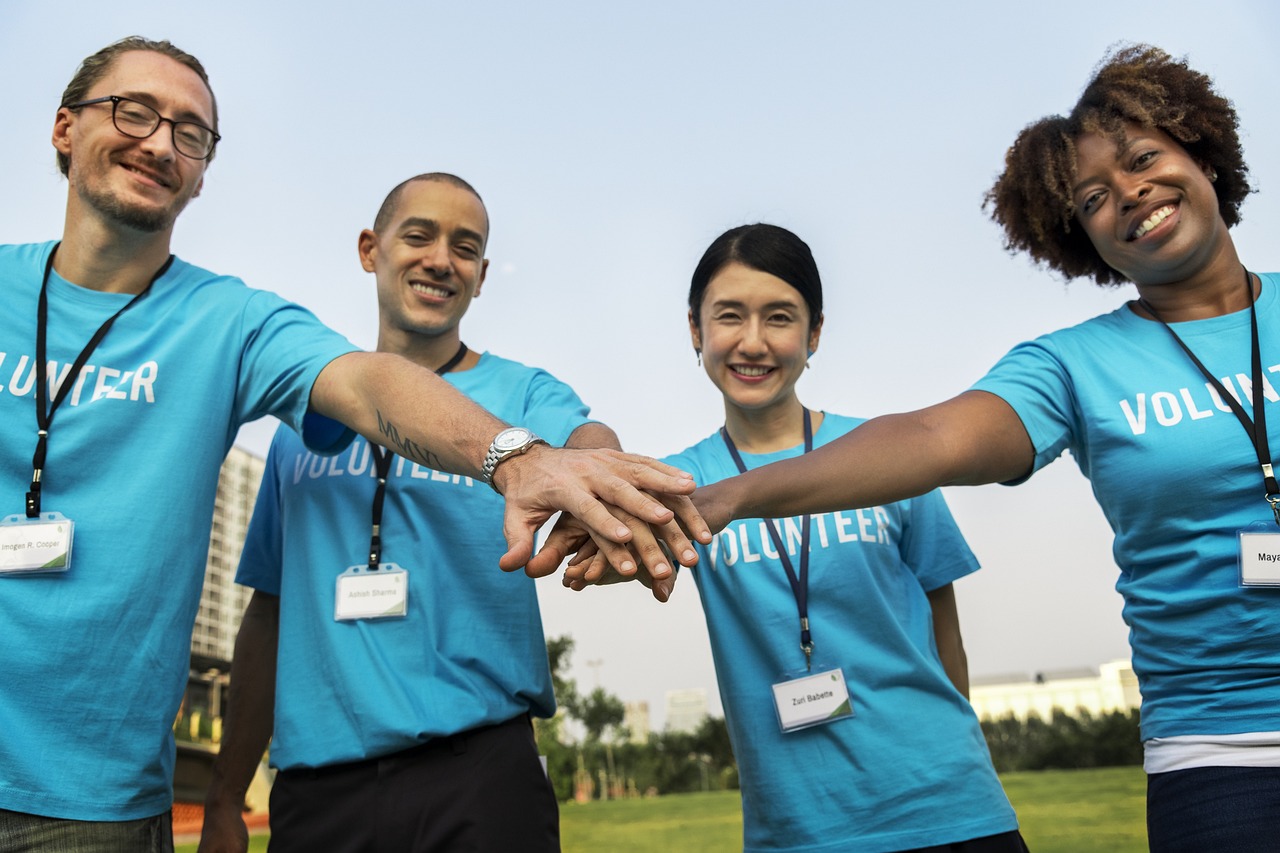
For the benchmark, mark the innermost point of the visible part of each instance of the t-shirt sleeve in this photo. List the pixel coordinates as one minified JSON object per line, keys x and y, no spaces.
{"x":285,"y":348}
{"x":260,"y":560}
{"x":1035,"y":383}
{"x":553,"y":409}
{"x":932,"y":545}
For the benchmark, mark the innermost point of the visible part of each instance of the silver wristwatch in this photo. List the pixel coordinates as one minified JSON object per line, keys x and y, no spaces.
{"x":512,"y":441}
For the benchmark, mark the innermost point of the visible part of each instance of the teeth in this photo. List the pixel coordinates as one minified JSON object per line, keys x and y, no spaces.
{"x":430,"y":290}
{"x":1153,"y":220}
{"x":752,"y":371}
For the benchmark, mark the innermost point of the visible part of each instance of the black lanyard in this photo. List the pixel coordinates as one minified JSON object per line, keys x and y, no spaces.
{"x":1257,"y":428}
{"x":45,"y":410}
{"x":383,"y":464}
{"x":800,"y":583}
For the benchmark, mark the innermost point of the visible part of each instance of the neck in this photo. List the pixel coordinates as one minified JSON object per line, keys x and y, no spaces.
{"x":429,"y":351}
{"x":1214,"y":290}
{"x":113,"y":259}
{"x":768,"y":430}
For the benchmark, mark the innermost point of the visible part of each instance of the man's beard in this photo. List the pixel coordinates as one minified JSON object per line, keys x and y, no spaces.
{"x":147,"y":220}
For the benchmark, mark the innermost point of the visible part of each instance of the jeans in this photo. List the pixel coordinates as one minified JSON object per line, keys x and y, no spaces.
{"x":1214,"y":810}
{"x":28,"y":833}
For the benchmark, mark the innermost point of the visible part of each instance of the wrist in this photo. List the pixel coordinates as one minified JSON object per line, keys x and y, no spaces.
{"x":507,"y":470}
{"x":507,"y":444}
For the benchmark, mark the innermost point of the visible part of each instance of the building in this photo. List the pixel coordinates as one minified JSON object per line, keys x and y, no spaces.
{"x":222,"y":602}
{"x":199,"y":725}
{"x":1114,"y":687}
{"x":686,"y":709}
{"x":635,"y":718}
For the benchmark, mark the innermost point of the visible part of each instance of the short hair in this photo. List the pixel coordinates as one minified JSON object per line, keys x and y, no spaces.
{"x":382,"y":221}
{"x":768,"y":248}
{"x":95,"y":67}
{"x":1032,"y":200}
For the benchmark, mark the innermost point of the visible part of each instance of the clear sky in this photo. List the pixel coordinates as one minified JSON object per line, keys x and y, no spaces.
{"x":612,"y":143}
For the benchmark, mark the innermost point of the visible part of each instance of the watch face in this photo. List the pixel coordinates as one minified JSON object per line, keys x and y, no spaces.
{"x":510,"y":439}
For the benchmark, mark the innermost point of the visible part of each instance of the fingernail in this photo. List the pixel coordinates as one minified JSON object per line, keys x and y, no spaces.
{"x":690,"y":557}
{"x":622,"y":532}
{"x":627,"y":567}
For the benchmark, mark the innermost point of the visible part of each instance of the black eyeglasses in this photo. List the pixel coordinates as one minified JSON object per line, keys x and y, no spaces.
{"x":140,"y":121}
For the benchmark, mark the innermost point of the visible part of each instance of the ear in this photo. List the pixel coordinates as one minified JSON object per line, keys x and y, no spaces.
{"x":62,"y":131}
{"x":199,"y":187}
{"x":815,"y":335}
{"x":694,"y":333}
{"x":367,"y":247}
{"x":484,"y":271}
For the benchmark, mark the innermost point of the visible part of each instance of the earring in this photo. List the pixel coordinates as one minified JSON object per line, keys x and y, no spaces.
{"x":698,"y":352}
{"x":1212,"y":175}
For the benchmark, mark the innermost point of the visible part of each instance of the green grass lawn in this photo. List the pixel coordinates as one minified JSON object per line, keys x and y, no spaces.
{"x":1061,"y":811}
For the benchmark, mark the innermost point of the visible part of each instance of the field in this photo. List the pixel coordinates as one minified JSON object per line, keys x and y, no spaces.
{"x":1061,"y":811}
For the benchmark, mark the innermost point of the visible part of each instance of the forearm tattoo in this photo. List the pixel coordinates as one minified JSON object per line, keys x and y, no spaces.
{"x":405,"y":446}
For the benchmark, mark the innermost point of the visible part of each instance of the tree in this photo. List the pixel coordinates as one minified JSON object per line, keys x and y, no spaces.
{"x":598,"y":713}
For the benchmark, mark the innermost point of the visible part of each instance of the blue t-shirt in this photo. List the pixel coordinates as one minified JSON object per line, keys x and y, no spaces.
{"x":93,"y":661}
{"x":1177,"y":477}
{"x":469,"y":653}
{"x":911,"y":769}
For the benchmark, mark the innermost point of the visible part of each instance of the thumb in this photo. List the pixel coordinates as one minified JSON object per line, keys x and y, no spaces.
{"x":519,"y":533}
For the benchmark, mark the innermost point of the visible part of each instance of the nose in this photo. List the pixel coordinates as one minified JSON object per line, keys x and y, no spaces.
{"x":160,"y":143}
{"x":1131,"y":192}
{"x":752,"y":341}
{"x":435,"y":258}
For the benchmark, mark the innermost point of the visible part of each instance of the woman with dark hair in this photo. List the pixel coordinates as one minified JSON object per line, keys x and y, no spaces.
{"x":1167,"y":405}
{"x":849,"y":732}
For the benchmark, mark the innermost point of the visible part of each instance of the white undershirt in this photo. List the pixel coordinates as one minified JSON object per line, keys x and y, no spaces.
{"x":1250,"y":749}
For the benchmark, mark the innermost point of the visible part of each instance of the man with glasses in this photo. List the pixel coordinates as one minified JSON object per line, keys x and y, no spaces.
{"x":131,"y":372}
{"x":411,"y":728}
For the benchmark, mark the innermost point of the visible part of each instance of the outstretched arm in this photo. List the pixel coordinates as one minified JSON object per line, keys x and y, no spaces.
{"x":971,"y":439}
{"x":249,"y":719}
{"x":415,"y":413}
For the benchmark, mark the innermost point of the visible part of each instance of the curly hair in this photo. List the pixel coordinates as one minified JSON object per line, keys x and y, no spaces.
{"x":1032,"y":199}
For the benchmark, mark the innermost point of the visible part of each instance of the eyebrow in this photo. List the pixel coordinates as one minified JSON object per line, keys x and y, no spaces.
{"x":432,"y":225}
{"x":736,"y":303}
{"x":182,"y":115}
{"x":1121,"y":151}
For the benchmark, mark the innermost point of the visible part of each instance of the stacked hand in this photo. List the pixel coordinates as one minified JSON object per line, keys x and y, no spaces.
{"x":626,"y":544}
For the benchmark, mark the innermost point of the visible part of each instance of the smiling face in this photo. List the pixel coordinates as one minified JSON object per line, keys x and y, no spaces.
{"x":140,"y":184}
{"x":1149,"y":209}
{"x":753,"y":331}
{"x":429,"y":262}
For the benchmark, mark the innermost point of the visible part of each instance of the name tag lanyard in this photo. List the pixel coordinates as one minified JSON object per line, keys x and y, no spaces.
{"x":1257,"y":428}
{"x":44,"y":409}
{"x":383,"y":459}
{"x":799,"y":583}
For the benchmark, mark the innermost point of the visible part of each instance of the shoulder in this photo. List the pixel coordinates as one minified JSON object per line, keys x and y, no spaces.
{"x":835,"y":425}
{"x":698,"y":459}
{"x":191,"y":281}
{"x":21,"y":258}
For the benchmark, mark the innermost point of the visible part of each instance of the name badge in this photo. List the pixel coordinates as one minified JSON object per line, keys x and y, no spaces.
{"x":365,"y":594}
{"x":1260,"y":555}
{"x":33,"y":546}
{"x":812,"y":700}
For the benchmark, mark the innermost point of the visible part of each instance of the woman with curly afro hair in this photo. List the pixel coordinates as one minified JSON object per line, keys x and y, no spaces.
{"x":1169,"y":406}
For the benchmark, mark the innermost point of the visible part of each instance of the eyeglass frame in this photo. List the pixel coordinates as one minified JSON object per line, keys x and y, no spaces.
{"x":115,"y":100}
